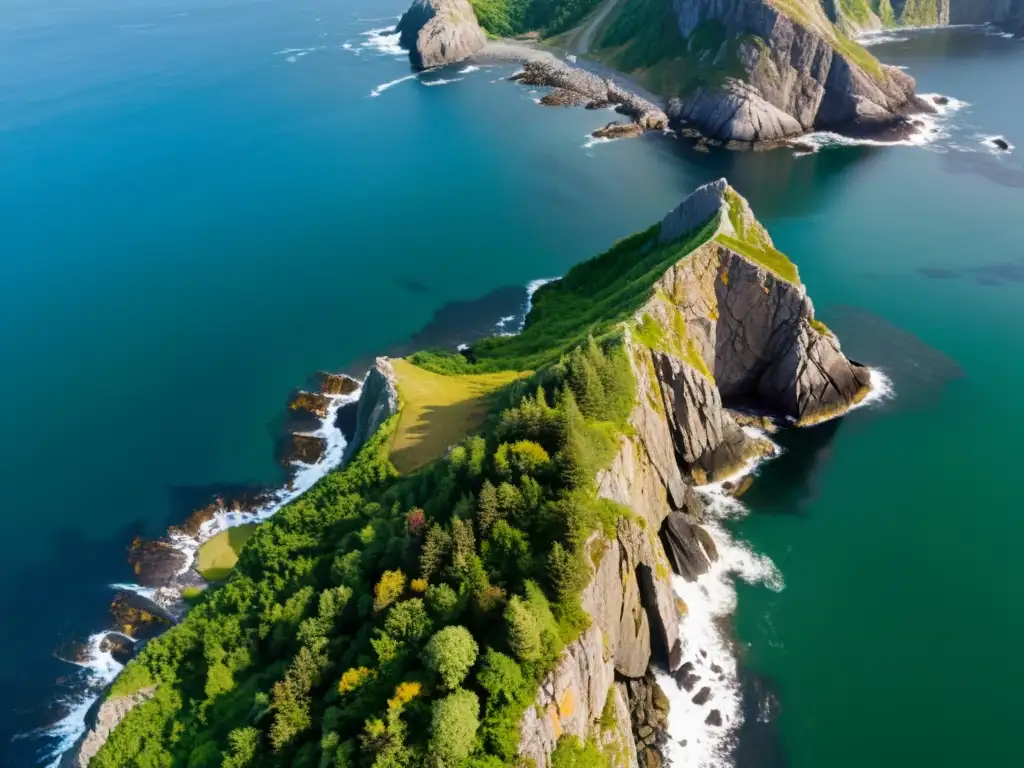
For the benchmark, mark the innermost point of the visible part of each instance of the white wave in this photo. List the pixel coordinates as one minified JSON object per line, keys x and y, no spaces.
{"x":531,"y":288}
{"x":469,"y":68}
{"x":932,"y":129}
{"x":97,"y":670}
{"x":593,"y":141}
{"x":707,"y":647}
{"x":379,"y":19}
{"x":384,"y":40}
{"x":571,"y":58}
{"x":501,"y":324}
{"x":877,"y":38}
{"x":990,"y":142}
{"x":442,"y":81}
{"x":384,"y":86}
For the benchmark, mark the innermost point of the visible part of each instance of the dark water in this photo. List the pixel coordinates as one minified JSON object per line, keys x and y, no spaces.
{"x":194,"y":219}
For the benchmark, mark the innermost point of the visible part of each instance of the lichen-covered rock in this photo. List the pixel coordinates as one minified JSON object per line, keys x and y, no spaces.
{"x":439,"y":32}
{"x":378,"y":402}
{"x":101,"y":720}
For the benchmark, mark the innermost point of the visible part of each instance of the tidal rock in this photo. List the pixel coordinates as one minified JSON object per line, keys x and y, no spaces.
{"x":618,"y":131}
{"x":562,"y":97}
{"x":336,"y":384}
{"x":438,"y":32}
{"x":703,"y":696}
{"x":684,"y":545}
{"x":315,"y":403}
{"x":714,"y":718}
{"x":120,"y":647}
{"x":941,"y":100}
{"x":156,"y":562}
{"x":1000,"y":143}
{"x":137,"y":616}
{"x":308,"y":449}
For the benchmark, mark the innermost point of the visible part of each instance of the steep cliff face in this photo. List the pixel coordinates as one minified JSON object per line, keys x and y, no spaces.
{"x":729,"y":321}
{"x":795,"y":71}
{"x":106,"y":716}
{"x":378,"y":402}
{"x":855,"y":16}
{"x":438,"y":32}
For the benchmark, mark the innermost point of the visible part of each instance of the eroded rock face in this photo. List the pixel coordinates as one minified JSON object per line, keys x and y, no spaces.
{"x":439,"y":32}
{"x":783,"y":77}
{"x":688,"y":547}
{"x":574,"y":85}
{"x":102,"y":720}
{"x":378,"y":402}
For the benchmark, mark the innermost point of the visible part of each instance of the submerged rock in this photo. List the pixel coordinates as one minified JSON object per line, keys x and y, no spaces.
{"x":308,"y":449}
{"x":438,"y":32}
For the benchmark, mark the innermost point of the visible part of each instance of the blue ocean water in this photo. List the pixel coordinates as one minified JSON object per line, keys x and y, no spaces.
{"x":204,"y":203}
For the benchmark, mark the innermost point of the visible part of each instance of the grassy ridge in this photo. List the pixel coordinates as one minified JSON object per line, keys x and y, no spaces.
{"x":508,"y":18}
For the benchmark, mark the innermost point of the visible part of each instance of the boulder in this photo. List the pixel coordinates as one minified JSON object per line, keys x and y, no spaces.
{"x":336,"y":384}
{"x":439,"y":32}
{"x":688,"y":547}
{"x":156,"y":562}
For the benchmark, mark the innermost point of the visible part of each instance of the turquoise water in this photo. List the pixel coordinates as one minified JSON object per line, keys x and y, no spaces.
{"x":196,"y":218}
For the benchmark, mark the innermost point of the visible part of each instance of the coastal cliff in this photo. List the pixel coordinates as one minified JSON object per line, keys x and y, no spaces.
{"x":491,"y":572}
{"x":438,"y":32}
{"x":858,"y":16}
{"x":756,"y":71}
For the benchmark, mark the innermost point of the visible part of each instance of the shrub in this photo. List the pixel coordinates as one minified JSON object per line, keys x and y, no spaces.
{"x":453,"y":727}
{"x":450,"y":653}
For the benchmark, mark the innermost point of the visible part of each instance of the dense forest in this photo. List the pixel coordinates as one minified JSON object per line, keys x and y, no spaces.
{"x":507,"y":18}
{"x":387,"y":621}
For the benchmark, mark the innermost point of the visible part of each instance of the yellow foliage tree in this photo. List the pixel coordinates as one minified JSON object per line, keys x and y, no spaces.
{"x":388,"y":589}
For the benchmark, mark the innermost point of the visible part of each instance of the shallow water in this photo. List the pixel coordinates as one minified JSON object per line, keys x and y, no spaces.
{"x":204,"y":205}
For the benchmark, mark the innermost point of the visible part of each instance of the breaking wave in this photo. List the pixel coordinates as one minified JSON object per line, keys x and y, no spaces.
{"x":383,"y":40}
{"x":705,"y":700}
{"x":442,"y":81}
{"x":469,"y":68}
{"x":705,"y":696}
{"x":391,"y":83}
{"x":932,"y":128}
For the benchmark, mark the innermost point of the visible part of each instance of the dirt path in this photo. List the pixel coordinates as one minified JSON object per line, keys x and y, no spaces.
{"x":584,"y":36}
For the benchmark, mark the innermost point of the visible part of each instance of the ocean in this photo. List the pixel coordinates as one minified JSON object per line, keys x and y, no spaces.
{"x":205,"y":203}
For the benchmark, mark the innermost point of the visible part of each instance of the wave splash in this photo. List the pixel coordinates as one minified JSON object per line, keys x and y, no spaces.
{"x":705,"y":735}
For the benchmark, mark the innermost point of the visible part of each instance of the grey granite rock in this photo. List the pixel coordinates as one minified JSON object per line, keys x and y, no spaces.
{"x":439,"y":32}
{"x":378,"y":402}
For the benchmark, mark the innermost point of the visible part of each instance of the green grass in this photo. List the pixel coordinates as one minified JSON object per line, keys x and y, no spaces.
{"x":591,"y":299}
{"x":217,"y":556}
{"x":752,"y":242}
{"x":438,"y":411}
{"x":675,"y":341}
{"x":820,"y":327}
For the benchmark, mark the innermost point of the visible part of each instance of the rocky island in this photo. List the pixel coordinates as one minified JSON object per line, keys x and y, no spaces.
{"x":489,"y":577}
{"x":745,"y":73}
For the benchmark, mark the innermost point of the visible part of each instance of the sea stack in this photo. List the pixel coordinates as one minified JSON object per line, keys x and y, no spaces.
{"x":439,"y":32}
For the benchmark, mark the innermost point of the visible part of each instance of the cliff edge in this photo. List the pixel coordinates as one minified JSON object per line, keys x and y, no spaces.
{"x":439,"y":32}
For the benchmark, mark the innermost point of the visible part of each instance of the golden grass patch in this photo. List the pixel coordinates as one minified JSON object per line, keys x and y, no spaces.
{"x":218,"y":555}
{"x":438,"y":411}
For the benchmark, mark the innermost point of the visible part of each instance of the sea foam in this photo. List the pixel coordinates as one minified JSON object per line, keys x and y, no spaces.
{"x":383,"y":40}
{"x":390,"y":84}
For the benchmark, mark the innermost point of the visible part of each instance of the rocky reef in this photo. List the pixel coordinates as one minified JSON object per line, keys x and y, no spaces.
{"x":574,"y":86}
{"x":439,"y":32}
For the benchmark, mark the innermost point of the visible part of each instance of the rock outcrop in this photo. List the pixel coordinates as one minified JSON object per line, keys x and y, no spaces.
{"x":577,"y":86}
{"x":439,"y":32}
{"x":378,"y":402}
{"x":100,"y":721}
